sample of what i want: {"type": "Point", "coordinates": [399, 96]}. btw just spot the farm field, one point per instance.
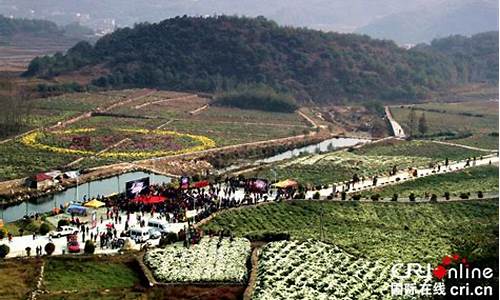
{"type": "Point", "coordinates": [48, 111]}
{"type": "Point", "coordinates": [484, 179]}
{"type": "Point", "coordinates": [18, 160]}
{"type": "Point", "coordinates": [89, 275]}
{"type": "Point", "coordinates": [477, 121]}
{"type": "Point", "coordinates": [212, 260]}
{"type": "Point", "coordinates": [367, 161]}
{"type": "Point", "coordinates": [398, 231]}
{"type": "Point", "coordinates": [147, 124]}
{"type": "Point", "coordinates": [316, 270]}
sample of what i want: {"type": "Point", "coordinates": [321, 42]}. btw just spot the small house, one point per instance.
{"type": "Point", "coordinates": [40, 181]}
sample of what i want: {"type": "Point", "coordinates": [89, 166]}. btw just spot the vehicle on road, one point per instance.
{"type": "Point", "coordinates": [63, 231]}
{"type": "Point", "coordinates": [139, 235]}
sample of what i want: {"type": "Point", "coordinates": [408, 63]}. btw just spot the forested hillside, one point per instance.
{"type": "Point", "coordinates": [39, 28]}
{"type": "Point", "coordinates": [476, 56]}
{"type": "Point", "coordinates": [218, 53]}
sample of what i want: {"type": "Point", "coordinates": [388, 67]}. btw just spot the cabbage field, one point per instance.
{"type": "Point", "coordinates": [316, 270]}
{"type": "Point", "coordinates": [212, 260]}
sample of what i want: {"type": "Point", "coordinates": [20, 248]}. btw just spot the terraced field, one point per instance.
{"type": "Point", "coordinates": [405, 232]}
{"type": "Point", "coordinates": [479, 119]}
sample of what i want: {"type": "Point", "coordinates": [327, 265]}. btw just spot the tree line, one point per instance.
{"type": "Point", "coordinates": [258, 97]}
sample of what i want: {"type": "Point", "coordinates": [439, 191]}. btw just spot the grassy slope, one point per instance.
{"type": "Point", "coordinates": [453, 121]}
{"type": "Point", "coordinates": [88, 275]}
{"type": "Point", "coordinates": [483, 179]}
{"type": "Point", "coordinates": [18, 278]}
{"type": "Point", "coordinates": [395, 231]}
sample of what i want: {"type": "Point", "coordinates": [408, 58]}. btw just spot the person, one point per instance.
{"type": "Point", "coordinates": [34, 235]}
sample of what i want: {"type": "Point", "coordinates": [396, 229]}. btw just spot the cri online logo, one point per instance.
{"type": "Point", "coordinates": [442, 269]}
{"type": "Point", "coordinates": [453, 266]}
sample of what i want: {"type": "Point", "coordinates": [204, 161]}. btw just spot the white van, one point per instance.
{"type": "Point", "coordinates": [159, 225]}
{"type": "Point", "coordinates": [139, 235]}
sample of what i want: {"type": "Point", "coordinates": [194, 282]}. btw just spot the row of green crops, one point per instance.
{"type": "Point", "coordinates": [396, 231]}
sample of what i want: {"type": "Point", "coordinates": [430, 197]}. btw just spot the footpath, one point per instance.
{"type": "Point", "coordinates": [403, 176]}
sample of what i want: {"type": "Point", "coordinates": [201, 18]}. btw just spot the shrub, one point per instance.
{"type": "Point", "coordinates": [447, 195]}
{"type": "Point", "coordinates": [3, 233]}
{"type": "Point", "coordinates": [316, 196]}
{"type": "Point", "coordinates": [394, 197]}
{"type": "Point", "coordinates": [268, 236]}
{"type": "Point", "coordinates": [89, 247]}
{"type": "Point", "coordinates": [480, 194]}
{"type": "Point", "coordinates": [62, 222]}
{"type": "Point", "coordinates": [4, 250]}
{"type": "Point", "coordinates": [434, 198]}
{"type": "Point", "coordinates": [50, 248]}
{"type": "Point", "coordinates": [412, 197]}
{"type": "Point", "coordinates": [356, 197]}
{"type": "Point", "coordinates": [375, 197]}
{"type": "Point", "coordinates": [44, 229]}
{"type": "Point", "coordinates": [464, 196]}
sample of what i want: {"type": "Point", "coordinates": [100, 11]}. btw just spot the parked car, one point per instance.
{"type": "Point", "coordinates": [154, 233]}
{"type": "Point", "coordinates": [63, 231]}
{"type": "Point", "coordinates": [73, 247]}
{"type": "Point", "coordinates": [158, 225]}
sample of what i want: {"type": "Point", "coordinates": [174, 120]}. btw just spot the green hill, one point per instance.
{"type": "Point", "coordinates": [219, 53]}
{"type": "Point", "coordinates": [475, 56]}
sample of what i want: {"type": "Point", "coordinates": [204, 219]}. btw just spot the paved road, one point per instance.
{"type": "Point", "coordinates": [396, 128]}
{"type": "Point", "coordinates": [463, 146]}
{"type": "Point", "coordinates": [404, 176]}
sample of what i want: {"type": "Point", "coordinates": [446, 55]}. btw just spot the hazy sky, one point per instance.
{"type": "Point", "coordinates": [376, 17]}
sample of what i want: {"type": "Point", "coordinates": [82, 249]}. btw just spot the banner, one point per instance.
{"type": "Point", "coordinates": [255, 185]}
{"type": "Point", "coordinates": [136, 187]}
